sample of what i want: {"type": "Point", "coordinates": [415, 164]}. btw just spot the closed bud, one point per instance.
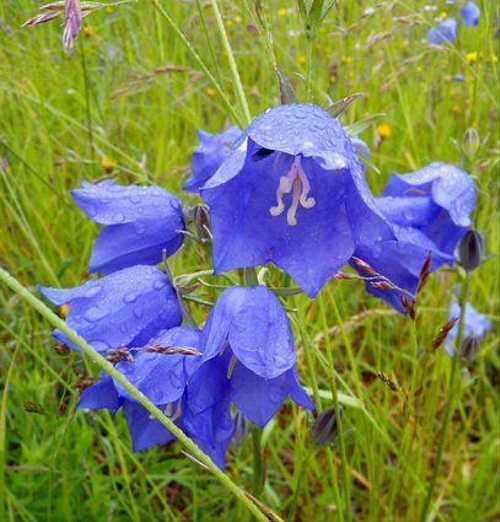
{"type": "Point", "coordinates": [470, 250]}
{"type": "Point", "coordinates": [471, 142]}
{"type": "Point", "coordinates": [470, 347]}
{"type": "Point", "coordinates": [324, 429]}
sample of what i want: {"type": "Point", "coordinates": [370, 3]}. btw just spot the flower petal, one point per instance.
{"type": "Point", "coordinates": [124, 309]}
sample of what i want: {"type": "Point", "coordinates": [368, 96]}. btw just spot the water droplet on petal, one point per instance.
{"type": "Point", "coordinates": [140, 228]}
{"type": "Point", "coordinates": [159, 284]}
{"type": "Point", "coordinates": [118, 217]}
{"type": "Point", "coordinates": [93, 291]}
{"type": "Point", "coordinates": [95, 314]}
{"type": "Point", "coordinates": [131, 297]}
{"type": "Point", "coordinates": [138, 312]}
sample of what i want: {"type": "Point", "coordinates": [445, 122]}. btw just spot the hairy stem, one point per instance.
{"type": "Point", "coordinates": [137, 395]}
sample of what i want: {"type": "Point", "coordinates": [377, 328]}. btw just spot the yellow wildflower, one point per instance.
{"type": "Point", "coordinates": [472, 57]}
{"type": "Point", "coordinates": [384, 131]}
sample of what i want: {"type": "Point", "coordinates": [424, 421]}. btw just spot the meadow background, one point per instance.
{"type": "Point", "coordinates": [130, 100]}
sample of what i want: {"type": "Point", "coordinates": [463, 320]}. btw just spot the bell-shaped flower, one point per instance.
{"type": "Point", "coordinates": [429, 211]}
{"type": "Point", "coordinates": [126, 308]}
{"type": "Point", "coordinates": [210, 154]}
{"type": "Point", "coordinates": [438, 200]}
{"type": "Point", "coordinates": [249, 346]}
{"type": "Point", "coordinates": [476, 325]}
{"type": "Point", "coordinates": [293, 193]}
{"type": "Point", "coordinates": [471, 14]}
{"type": "Point", "coordinates": [162, 370]}
{"type": "Point", "coordinates": [252, 324]}
{"type": "Point", "coordinates": [446, 32]}
{"type": "Point", "coordinates": [142, 225]}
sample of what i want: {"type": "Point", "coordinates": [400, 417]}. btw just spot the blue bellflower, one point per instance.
{"type": "Point", "coordinates": [437, 200]}
{"type": "Point", "coordinates": [210, 154]}
{"type": "Point", "coordinates": [445, 33]}
{"type": "Point", "coordinates": [249, 338]}
{"type": "Point", "coordinates": [471, 14]}
{"type": "Point", "coordinates": [429, 211]}
{"type": "Point", "coordinates": [293, 193]}
{"type": "Point", "coordinates": [476, 324]}
{"type": "Point", "coordinates": [141, 224]}
{"type": "Point", "coordinates": [126, 308]}
{"type": "Point", "coordinates": [163, 372]}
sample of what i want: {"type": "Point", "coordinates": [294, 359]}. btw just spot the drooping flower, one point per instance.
{"type": "Point", "coordinates": [445, 33]}
{"type": "Point", "coordinates": [210, 154]}
{"type": "Point", "coordinates": [126, 308]}
{"type": "Point", "coordinates": [163, 372]}
{"type": "Point", "coordinates": [294, 194]}
{"type": "Point", "coordinates": [141, 224]}
{"type": "Point", "coordinates": [250, 330]}
{"type": "Point", "coordinates": [471, 14]}
{"type": "Point", "coordinates": [429, 211]}
{"type": "Point", "coordinates": [437, 200]}
{"type": "Point", "coordinates": [476, 325]}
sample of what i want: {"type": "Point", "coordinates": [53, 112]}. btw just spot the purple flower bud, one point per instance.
{"type": "Point", "coordinates": [470, 250]}
{"type": "Point", "coordinates": [324, 429]}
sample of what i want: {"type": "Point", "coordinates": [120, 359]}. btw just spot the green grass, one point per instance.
{"type": "Point", "coordinates": [115, 98]}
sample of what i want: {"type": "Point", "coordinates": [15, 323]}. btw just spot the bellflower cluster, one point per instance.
{"type": "Point", "coordinates": [289, 190]}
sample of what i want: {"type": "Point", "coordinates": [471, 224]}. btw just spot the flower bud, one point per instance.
{"type": "Point", "coordinates": [470, 347]}
{"type": "Point", "coordinates": [324, 429]}
{"type": "Point", "coordinates": [471, 142]}
{"type": "Point", "coordinates": [470, 250]}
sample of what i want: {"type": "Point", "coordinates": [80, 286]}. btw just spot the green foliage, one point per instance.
{"type": "Point", "coordinates": [133, 95]}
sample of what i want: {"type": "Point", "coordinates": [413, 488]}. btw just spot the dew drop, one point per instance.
{"type": "Point", "coordinates": [140, 228]}
{"type": "Point", "coordinates": [118, 217]}
{"type": "Point", "coordinates": [138, 312]}
{"type": "Point", "coordinates": [131, 297]}
{"type": "Point", "coordinates": [93, 291]}
{"type": "Point", "coordinates": [159, 284]}
{"type": "Point", "coordinates": [95, 314]}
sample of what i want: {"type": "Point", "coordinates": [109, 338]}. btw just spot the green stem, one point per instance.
{"type": "Point", "coordinates": [259, 476]}
{"type": "Point", "coordinates": [452, 392]}
{"type": "Point", "coordinates": [199, 61]}
{"type": "Point", "coordinates": [232, 62]}
{"type": "Point", "coordinates": [137, 395]}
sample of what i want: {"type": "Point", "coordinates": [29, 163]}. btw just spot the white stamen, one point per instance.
{"type": "Point", "coordinates": [296, 181]}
